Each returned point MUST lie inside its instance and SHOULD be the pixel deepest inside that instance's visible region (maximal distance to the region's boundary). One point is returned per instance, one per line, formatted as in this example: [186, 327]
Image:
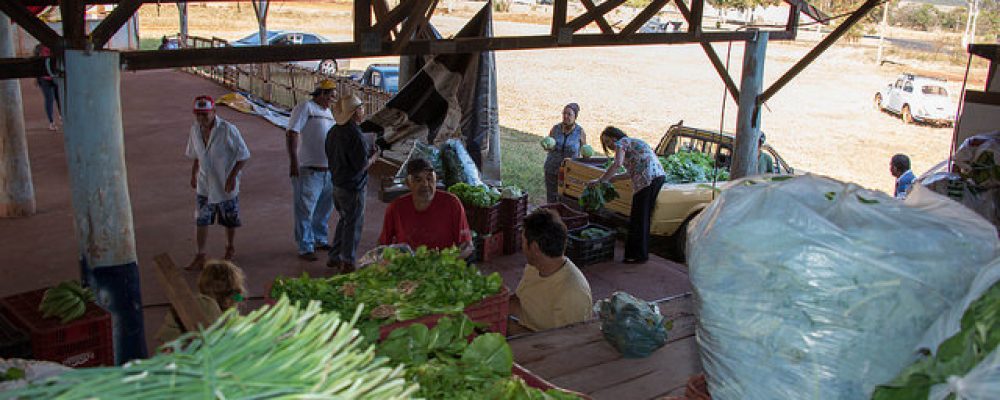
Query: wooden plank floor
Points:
[578, 358]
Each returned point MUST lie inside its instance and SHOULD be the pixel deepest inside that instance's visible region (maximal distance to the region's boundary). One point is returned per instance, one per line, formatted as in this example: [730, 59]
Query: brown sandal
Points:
[230, 253]
[197, 263]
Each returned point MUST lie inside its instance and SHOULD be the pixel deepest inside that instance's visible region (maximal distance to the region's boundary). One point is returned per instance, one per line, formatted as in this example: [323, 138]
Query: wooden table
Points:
[577, 357]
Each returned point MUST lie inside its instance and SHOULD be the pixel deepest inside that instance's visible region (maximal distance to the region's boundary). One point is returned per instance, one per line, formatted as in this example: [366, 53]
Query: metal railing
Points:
[281, 84]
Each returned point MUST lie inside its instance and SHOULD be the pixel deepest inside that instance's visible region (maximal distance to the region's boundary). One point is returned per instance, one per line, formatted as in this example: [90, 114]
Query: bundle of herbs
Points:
[279, 352]
[594, 197]
[447, 365]
[403, 287]
[476, 196]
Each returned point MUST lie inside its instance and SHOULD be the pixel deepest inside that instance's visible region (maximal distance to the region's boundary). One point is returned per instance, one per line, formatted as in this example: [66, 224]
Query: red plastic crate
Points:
[491, 311]
[489, 247]
[13, 342]
[84, 342]
[572, 218]
[484, 221]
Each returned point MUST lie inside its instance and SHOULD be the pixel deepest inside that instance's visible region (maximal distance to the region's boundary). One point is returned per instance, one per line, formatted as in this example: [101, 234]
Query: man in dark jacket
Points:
[350, 156]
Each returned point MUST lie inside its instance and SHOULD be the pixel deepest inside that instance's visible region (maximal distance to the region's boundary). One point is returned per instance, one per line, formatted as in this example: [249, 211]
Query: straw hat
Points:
[344, 108]
[322, 85]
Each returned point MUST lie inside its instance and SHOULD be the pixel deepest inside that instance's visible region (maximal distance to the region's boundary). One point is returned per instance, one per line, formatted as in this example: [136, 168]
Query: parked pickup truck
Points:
[677, 203]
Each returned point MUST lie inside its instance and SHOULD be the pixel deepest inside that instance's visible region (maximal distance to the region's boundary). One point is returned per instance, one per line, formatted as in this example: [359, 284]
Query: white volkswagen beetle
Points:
[918, 98]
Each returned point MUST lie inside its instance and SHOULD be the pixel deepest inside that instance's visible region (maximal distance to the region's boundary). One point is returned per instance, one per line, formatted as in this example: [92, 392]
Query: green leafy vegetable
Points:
[403, 288]
[691, 166]
[12, 374]
[979, 335]
[594, 197]
[477, 196]
[447, 366]
[593, 233]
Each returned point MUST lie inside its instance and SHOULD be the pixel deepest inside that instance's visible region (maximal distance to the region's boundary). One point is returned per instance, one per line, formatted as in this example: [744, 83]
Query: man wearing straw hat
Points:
[350, 156]
[312, 188]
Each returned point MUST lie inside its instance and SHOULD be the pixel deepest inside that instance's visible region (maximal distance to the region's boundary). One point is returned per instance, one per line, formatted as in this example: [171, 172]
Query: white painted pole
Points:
[883, 29]
[17, 194]
[95, 152]
[745, 148]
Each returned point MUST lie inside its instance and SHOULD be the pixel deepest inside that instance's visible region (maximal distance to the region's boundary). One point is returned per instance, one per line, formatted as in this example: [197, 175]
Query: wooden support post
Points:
[17, 194]
[746, 146]
[694, 23]
[103, 33]
[598, 17]
[31, 24]
[182, 14]
[74, 28]
[643, 17]
[260, 8]
[182, 299]
[594, 13]
[558, 16]
[793, 20]
[819, 49]
[363, 34]
[421, 14]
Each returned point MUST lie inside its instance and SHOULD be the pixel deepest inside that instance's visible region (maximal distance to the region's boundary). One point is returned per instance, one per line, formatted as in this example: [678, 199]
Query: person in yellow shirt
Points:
[221, 286]
[553, 292]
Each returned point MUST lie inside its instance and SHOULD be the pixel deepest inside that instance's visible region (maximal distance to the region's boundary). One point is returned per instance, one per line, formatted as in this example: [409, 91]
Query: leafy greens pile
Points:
[956, 356]
[279, 352]
[448, 366]
[594, 197]
[477, 196]
[403, 287]
[690, 167]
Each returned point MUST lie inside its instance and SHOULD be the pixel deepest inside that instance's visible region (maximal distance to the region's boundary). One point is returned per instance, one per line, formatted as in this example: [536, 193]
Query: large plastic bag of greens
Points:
[978, 159]
[458, 165]
[809, 288]
[983, 201]
[631, 325]
[961, 349]
[427, 152]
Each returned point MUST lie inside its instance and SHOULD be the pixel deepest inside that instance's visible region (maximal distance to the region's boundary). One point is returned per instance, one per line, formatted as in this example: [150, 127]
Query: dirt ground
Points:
[822, 122]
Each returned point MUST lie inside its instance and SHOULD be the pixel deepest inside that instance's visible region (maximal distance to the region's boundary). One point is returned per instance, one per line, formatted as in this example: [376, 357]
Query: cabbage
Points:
[548, 143]
[586, 151]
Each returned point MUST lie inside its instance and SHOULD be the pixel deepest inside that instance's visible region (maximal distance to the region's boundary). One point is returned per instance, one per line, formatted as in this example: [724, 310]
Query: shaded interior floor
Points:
[41, 250]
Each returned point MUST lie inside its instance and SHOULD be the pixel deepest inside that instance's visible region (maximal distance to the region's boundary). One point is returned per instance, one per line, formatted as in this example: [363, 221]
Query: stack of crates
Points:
[83, 342]
[512, 213]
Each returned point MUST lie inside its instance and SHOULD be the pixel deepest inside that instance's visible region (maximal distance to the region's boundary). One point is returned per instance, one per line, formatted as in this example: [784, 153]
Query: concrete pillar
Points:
[745, 150]
[17, 195]
[102, 211]
[182, 14]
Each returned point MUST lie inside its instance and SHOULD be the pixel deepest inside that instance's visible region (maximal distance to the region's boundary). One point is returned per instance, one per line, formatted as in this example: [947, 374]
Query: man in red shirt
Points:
[426, 216]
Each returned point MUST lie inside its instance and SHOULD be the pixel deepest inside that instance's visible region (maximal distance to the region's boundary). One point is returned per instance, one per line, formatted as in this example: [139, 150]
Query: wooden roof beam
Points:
[31, 24]
[731, 87]
[593, 14]
[114, 21]
[643, 17]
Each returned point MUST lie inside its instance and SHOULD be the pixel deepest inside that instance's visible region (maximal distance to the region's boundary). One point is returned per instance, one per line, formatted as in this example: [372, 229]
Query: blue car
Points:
[382, 76]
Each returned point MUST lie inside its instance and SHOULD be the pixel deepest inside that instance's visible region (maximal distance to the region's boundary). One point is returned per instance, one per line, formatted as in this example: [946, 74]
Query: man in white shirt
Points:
[219, 154]
[312, 187]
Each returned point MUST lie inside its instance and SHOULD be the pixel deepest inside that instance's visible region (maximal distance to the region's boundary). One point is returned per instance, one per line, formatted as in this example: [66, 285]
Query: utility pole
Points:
[882, 30]
[746, 147]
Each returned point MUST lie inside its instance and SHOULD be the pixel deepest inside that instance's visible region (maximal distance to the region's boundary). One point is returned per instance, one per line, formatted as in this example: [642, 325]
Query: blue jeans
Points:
[51, 94]
[351, 207]
[312, 193]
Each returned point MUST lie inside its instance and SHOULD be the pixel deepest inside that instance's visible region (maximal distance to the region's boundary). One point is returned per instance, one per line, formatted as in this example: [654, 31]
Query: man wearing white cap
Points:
[219, 154]
[350, 156]
[312, 188]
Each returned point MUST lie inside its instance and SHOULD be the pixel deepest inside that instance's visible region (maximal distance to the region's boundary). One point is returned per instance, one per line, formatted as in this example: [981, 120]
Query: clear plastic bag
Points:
[458, 165]
[983, 201]
[981, 383]
[978, 159]
[34, 371]
[809, 288]
[631, 325]
[427, 152]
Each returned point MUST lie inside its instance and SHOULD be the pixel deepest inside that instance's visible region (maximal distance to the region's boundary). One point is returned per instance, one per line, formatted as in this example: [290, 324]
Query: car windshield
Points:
[934, 91]
[255, 38]
[391, 79]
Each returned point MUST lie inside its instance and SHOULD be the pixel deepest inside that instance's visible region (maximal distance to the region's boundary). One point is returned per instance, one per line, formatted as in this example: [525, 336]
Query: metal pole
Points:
[102, 212]
[882, 29]
[745, 148]
[17, 194]
[182, 13]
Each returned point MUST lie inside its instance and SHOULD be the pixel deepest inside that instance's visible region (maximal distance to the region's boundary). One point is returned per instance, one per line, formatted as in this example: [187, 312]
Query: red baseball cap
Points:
[204, 104]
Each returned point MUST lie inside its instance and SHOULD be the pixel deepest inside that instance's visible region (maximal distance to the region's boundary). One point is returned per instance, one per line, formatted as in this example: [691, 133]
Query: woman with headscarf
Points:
[569, 139]
[643, 167]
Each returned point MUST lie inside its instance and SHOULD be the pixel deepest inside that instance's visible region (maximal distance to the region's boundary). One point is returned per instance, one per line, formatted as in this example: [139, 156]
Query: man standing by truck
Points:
[312, 187]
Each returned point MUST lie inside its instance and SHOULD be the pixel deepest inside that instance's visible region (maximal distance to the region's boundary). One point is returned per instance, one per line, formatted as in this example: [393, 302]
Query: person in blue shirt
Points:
[899, 167]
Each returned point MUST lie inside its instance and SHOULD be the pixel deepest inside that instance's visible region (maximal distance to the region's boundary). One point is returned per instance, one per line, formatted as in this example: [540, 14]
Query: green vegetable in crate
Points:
[511, 192]
[447, 366]
[690, 167]
[586, 151]
[476, 196]
[594, 233]
[405, 287]
[607, 164]
[66, 301]
[594, 197]
[279, 352]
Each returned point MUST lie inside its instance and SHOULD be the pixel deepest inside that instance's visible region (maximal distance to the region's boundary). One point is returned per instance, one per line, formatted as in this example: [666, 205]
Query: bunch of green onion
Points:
[279, 352]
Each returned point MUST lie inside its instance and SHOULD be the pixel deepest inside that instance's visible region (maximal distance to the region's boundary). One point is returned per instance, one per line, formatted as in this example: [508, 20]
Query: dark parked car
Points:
[286, 38]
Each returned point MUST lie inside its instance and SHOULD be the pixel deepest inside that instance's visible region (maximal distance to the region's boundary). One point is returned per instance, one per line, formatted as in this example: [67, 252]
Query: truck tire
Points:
[678, 241]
